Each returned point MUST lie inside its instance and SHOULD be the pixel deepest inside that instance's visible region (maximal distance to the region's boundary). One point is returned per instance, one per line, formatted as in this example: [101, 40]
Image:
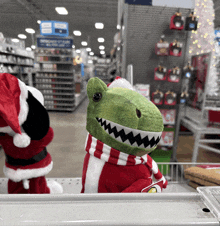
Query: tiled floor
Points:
[67, 147]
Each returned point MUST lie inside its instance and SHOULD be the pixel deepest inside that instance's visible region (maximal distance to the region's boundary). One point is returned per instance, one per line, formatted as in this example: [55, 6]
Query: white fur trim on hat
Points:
[55, 187]
[37, 94]
[121, 82]
[22, 174]
[21, 140]
[23, 107]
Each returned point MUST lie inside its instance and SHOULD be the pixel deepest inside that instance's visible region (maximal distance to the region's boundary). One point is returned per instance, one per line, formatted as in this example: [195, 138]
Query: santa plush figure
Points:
[24, 134]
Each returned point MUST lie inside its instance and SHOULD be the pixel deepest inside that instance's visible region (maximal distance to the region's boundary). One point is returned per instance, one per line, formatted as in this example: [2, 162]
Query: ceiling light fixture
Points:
[102, 52]
[39, 21]
[77, 33]
[101, 39]
[33, 47]
[28, 49]
[61, 10]
[99, 25]
[84, 43]
[91, 54]
[73, 46]
[88, 49]
[22, 36]
[30, 30]
[78, 51]
[118, 26]
[101, 47]
[15, 40]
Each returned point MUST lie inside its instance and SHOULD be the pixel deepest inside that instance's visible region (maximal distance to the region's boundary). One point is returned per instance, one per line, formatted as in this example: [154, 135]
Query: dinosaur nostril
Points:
[138, 113]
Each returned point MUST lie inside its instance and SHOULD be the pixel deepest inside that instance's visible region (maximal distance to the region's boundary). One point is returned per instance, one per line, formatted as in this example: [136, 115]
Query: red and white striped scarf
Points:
[104, 152]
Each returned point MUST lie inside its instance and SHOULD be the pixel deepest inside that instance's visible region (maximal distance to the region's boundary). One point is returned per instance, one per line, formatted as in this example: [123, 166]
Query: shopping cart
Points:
[179, 204]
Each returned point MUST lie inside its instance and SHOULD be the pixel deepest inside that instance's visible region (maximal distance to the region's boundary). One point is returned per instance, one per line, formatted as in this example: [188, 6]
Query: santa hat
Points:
[13, 108]
[120, 82]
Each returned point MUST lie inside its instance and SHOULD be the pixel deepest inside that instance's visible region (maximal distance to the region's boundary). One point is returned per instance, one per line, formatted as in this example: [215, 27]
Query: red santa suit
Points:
[24, 135]
[32, 162]
[109, 170]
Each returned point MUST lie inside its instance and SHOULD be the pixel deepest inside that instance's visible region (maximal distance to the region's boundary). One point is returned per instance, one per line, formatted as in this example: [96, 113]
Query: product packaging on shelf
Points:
[143, 89]
[162, 47]
[191, 23]
[187, 70]
[167, 138]
[170, 98]
[157, 97]
[160, 73]
[176, 48]
[177, 21]
[173, 74]
[169, 116]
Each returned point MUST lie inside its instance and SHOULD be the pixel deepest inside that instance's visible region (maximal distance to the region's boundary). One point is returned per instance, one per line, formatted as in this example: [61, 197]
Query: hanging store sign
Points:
[54, 43]
[139, 2]
[54, 28]
[188, 4]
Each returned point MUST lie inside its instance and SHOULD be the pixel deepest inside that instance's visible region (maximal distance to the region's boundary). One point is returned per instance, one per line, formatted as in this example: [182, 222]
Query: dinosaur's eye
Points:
[138, 113]
[97, 97]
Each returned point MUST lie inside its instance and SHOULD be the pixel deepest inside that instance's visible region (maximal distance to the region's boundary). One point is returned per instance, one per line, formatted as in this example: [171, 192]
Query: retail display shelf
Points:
[62, 105]
[51, 55]
[8, 62]
[58, 94]
[26, 65]
[55, 88]
[55, 77]
[55, 83]
[60, 71]
[17, 55]
[54, 62]
[59, 109]
[57, 98]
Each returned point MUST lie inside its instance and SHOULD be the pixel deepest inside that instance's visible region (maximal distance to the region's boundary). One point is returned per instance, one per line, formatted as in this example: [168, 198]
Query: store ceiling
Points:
[16, 15]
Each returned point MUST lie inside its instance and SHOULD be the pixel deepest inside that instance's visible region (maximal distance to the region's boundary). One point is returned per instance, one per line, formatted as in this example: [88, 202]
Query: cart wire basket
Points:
[172, 171]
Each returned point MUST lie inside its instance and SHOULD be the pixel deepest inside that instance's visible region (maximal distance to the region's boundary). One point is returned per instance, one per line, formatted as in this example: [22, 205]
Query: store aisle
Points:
[67, 147]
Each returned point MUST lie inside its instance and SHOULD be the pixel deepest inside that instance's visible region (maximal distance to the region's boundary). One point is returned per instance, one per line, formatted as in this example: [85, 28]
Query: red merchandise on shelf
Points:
[157, 98]
[170, 98]
[176, 48]
[160, 73]
[173, 75]
[177, 21]
[162, 48]
[214, 116]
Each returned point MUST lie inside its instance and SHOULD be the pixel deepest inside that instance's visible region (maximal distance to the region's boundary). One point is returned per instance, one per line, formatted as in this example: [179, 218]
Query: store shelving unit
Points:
[102, 71]
[55, 78]
[141, 28]
[17, 62]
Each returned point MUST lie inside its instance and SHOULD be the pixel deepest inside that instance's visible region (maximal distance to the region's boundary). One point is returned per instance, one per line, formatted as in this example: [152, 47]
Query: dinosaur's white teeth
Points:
[118, 138]
[133, 137]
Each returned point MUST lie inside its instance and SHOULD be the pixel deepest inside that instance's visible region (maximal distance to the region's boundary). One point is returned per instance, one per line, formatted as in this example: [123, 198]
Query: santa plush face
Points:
[122, 118]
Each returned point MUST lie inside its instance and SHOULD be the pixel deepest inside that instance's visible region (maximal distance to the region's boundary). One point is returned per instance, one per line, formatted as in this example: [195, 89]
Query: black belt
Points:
[24, 162]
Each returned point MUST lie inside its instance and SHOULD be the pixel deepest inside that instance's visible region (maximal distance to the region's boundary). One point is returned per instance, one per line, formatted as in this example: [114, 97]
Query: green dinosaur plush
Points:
[121, 123]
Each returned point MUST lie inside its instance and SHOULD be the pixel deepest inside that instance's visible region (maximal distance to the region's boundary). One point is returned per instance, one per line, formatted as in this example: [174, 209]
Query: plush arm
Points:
[138, 185]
